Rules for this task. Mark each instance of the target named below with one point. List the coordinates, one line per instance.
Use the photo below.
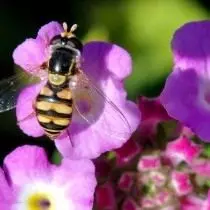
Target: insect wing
(94, 106)
(11, 87)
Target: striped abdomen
(54, 110)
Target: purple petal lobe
(102, 59)
(25, 111)
(48, 31)
(30, 55)
(190, 45)
(184, 99)
(26, 163)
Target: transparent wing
(93, 106)
(11, 87)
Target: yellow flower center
(40, 201)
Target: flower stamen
(39, 201)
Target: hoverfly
(65, 85)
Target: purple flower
(186, 95)
(29, 181)
(107, 65)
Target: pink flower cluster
(170, 176)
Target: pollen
(40, 201)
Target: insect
(66, 86)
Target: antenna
(73, 28)
(67, 33)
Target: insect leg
(31, 115)
(70, 139)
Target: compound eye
(71, 44)
(75, 43)
(55, 40)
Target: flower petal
(6, 193)
(149, 162)
(201, 167)
(25, 111)
(183, 98)
(181, 183)
(102, 59)
(182, 149)
(126, 181)
(79, 179)
(190, 45)
(127, 152)
(48, 31)
(26, 163)
(151, 108)
(30, 55)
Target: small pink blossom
(182, 149)
(149, 163)
(107, 65)
(126, 181)
(127, 152)
(181, 182)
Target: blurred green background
(143, 27)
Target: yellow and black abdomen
(54, 110)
